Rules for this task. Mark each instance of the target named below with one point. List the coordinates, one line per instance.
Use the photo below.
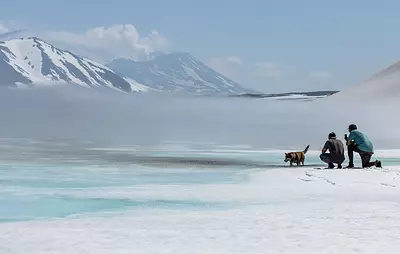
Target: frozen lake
(63, 197)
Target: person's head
(331, 135)
(352, 127)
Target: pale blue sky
(302, 45)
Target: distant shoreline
(272, 95)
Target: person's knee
(325, 158)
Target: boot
(339, 166)
(330, 165)
(351, 165)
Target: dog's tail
(305, 150)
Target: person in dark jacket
(336, 151)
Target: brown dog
(296, 157)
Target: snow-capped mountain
(33, 62)
(179, 73)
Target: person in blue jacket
(358, 142)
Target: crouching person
(336, 151)
(358, 142)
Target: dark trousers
(328, 158)
(365, 156)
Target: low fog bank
(151, 119)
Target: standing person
(359, 142)
(336, 151)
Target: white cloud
(3, 29)
(234, 60)
(7, 26)
(270, 76)
(261, 76)
(268, 70)
(227, 66)
(106, 43)
(320, 74)
(272, 70)
(155, 41)
(99, 43)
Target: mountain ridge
(177, 72)
(31, 61)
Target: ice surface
(148, 174)
(100, 203)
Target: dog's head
(288, 157)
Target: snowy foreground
(193, 208)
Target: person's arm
(325, 147)
(349, 140)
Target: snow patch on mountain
(177, 73)
(33, 62)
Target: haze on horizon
(115, 119)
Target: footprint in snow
(388, 184)
(319, 177)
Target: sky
(271, 46)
